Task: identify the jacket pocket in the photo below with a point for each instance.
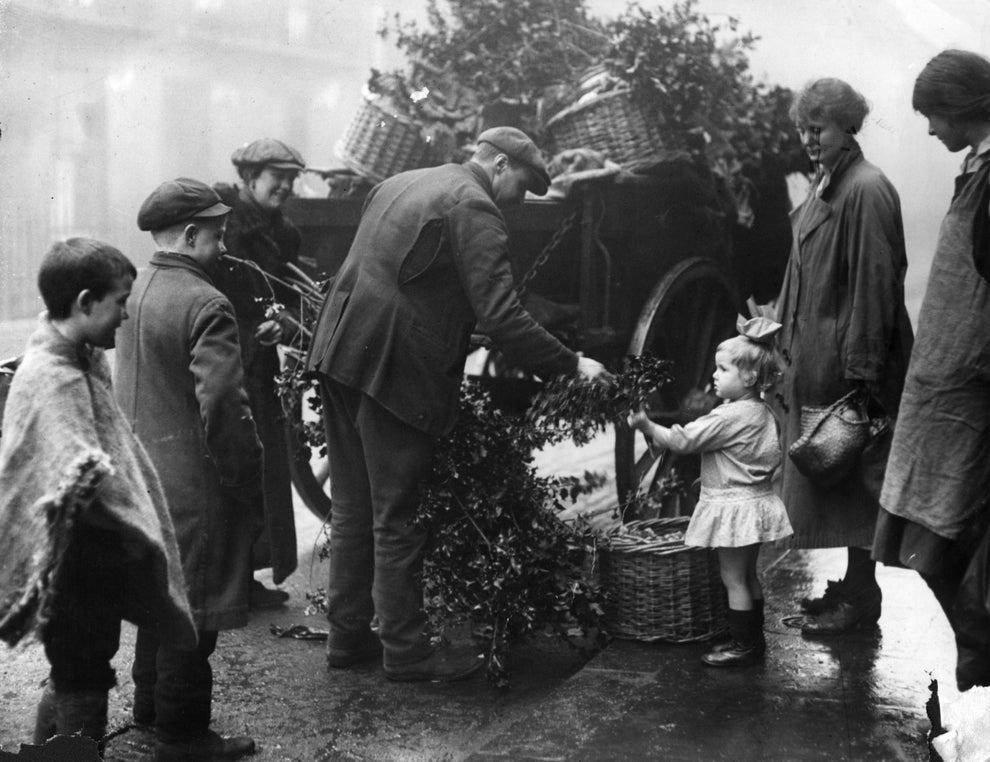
(424, 252)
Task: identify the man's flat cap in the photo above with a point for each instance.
(178, 200)
(268, 152)
(517, 145)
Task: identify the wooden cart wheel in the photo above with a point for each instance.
(688, 313)
(310, 471)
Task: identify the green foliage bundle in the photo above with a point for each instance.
(692, 75)
(474, 54)
(571, 409)
(499, 555)
(522, 61)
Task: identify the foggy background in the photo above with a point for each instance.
(100, 101)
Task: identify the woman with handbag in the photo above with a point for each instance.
(935, 495)
(845, 328)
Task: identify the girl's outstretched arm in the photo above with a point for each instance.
(659, 434)
(710, 432)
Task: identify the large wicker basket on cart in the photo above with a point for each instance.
(657, 587)
(380, 143)
(612, 123)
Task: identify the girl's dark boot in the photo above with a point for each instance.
(745, 646)
(758, 608)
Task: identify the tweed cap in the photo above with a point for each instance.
(517, 145)
(178, 200)
(268, 152)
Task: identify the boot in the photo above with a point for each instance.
(44, 724)
(831, 598)
(205, 748)
(444, 665)
(858, 608)
(82, 712)
(261, 597)
(745, 646)
(347, 649)
(761, 638)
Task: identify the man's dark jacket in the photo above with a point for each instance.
(429, 262)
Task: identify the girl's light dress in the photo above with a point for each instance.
(740, 450)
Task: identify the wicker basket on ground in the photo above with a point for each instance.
(379, 143)
(609, 122)
(657, 587)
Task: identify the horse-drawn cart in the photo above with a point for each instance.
(628, 264)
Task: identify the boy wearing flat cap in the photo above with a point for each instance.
(429, 263)
(179, 381)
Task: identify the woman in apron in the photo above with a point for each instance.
(935, 495)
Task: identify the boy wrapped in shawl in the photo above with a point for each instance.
(78, 493)
(62, 422)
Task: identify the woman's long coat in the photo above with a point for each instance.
(179, 381)
(270, 241)
(844, 321)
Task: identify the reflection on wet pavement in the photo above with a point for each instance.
(859, 696)
(855, 697)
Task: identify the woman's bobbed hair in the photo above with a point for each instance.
(954, 84)
(830, 100)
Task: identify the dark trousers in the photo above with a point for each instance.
(377, 464)
(173, 688)
(83, 631)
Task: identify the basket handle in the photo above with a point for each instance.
(830, 410)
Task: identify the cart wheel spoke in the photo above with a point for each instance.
(644, 463)
(689, 311)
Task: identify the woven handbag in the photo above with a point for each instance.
(832, 439)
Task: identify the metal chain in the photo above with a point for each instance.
(565, 226)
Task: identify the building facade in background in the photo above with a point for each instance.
(100, 101)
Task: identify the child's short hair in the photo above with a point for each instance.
(753, 357)
(72, 266)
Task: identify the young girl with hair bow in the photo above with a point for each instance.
(738, 509)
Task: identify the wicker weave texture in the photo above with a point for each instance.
(832, 440)
(610, 123)
(379, 144)
(674, 594)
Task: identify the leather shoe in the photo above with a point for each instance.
(345, 651)
(734, 655)
(759, 647)
(446, 664)
(210, 746)
(261, 597)
(846, 615)
(833, 594)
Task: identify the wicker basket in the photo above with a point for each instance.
(611, 123)
(659, 589)
(379, 144)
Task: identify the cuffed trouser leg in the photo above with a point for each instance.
(377, 466)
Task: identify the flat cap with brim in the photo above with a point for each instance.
(178, 200)
(268, 152)
(517, 145)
